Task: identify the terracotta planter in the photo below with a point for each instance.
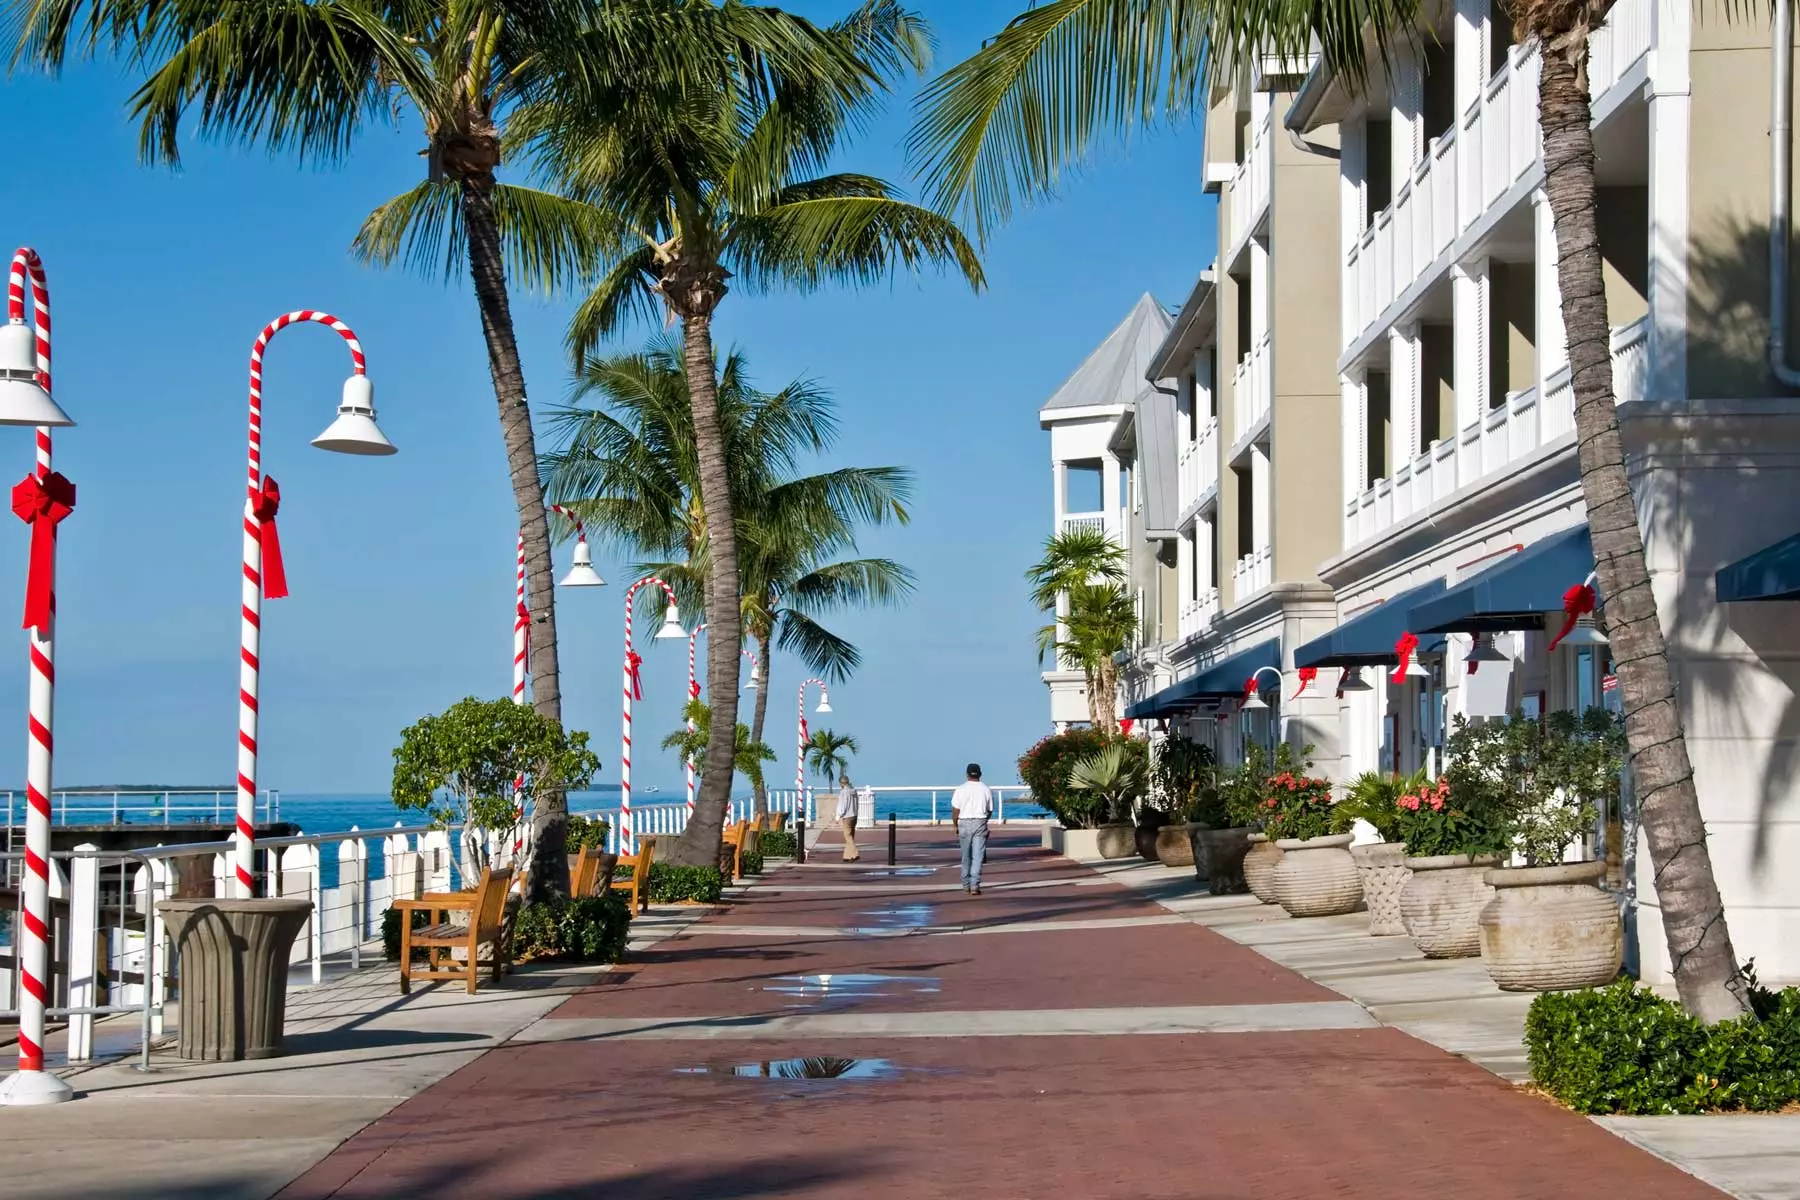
(1259, 867)
(1317, 877)
(1383, 870)
(1219, 858)
(1116, 841)
(1441, 902)
(1173, 847)
(1551, 928)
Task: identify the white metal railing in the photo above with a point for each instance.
(1250, 182)
(1251, 389)
(1500, 437)
(1072, 522)
(1197, 615)
(920, 805)
(145, 806)
(1199, 466)
(1252, 574)
(1493, 144)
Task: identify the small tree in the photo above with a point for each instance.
(748, 756)
(479, 764)
(829, 753)
(1116, 777)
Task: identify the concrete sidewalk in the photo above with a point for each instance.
(1454, 1005)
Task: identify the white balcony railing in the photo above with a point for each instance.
(1252, 386)
(1199, 466)
(1198, 615)
(1490, 444)
(1463, 174)
(1072, 522)
(1250, 183)
(1251, 574)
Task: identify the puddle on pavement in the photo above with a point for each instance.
(801, 1068)
(834, 990)
(901, 916)
(910, 872)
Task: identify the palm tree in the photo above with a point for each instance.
(1077, 579)
(748, 755)
(631, 470)
(829, 753)
(1000, 128)
(727, 183)
(1117, 778)
(1073, 557)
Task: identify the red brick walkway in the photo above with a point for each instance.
(1348, 1113)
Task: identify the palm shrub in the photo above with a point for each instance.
(1116, 776)
(1045, 770)
(1079, 580)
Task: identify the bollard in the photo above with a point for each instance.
(893, 836)
(800, 837)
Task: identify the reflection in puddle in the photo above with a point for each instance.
(901, 916)
(801, 1068)
(909, 871)
(830, 990)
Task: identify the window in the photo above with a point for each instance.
(1083, 484)
(1127, 487)
(1246, 511)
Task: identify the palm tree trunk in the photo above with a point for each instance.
(699, 845)
(1106, 704)
(1705, 966)
(1093, 696)
(756, 722)
(550, 815)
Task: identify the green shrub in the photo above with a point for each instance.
(1045, 769)
(778, 843)
(390, 933)
(591, 929)
(1623, 1049)
(670, 884)
(587, 833)
(753, 862)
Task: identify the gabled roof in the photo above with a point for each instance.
(1113, 374)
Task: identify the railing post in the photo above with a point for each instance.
(83, 948)
(317, 894)
(155, 961)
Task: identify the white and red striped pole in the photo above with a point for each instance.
(521, 663)
(633, 689)
(51, 497)
(693, 693)
(262, 500)
(800, 742)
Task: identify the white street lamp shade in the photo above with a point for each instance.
(755, 680)
(582, 573)
(355, 431)
(1254, 700)
(1417, 670)
(824, 705)
(23, 400)
(1484, 650)
(1354, 681)
(671, 626)
(1585, 633)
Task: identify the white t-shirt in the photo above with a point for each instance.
(971, 800)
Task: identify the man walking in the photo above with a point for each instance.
(972, 802)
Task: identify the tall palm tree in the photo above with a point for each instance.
(1000, 128)
(308, 76)
(829, 753)
(1075, 566)
(1100, 622)
(631, 470)
(724, 183)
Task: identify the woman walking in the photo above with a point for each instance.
(846, 811)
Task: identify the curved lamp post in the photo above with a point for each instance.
(824, 706)
(353, 432)
(634, 690)
(41, 499)
(693, 693)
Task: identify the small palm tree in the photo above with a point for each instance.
(748, 754)
(1001, 127)
(1071, 558)
(1100, 622)
(829, 753)
(1116, 778)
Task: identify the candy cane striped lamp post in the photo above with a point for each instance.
(824, 706)
(634, 690)
(41, 499)
(353, 432)
(693, 693)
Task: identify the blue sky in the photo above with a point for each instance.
(401, 568)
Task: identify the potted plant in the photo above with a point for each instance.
(1116, 777)
(1372, 798)
(1316, 876)
(1549, 926)
(1453, 832)
(1181, 776)
(1247, 793)
(1045, 769)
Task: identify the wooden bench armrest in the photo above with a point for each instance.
(439, 902)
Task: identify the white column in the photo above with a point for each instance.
(1203, 389)
(1059, 493)
(1259, 496)
(1353, 413)
(1203, 555)
(1469, 301)
(1668, 234)
(1109, 495)
(1403, 394)
(1259, 290)
(1184, 571)
(1552, 341)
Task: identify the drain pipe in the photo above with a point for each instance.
(1781, 75)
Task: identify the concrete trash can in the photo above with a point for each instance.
(233, 963)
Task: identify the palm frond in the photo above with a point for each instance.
(806, 243)
(623, 294)
(824, 652)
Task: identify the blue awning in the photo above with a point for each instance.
(1515, 592)
(1158, 704)
(1368, 638)
(1772, 573)
(1222, 679)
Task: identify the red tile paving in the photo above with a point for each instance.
(1360, 1114)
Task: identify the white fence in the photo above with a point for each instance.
(1198, 614)
(1250, 183)
(1253, 573)
(1252, 390)
(1199, 466)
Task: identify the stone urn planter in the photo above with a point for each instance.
(1383, 870)
(1441, 901)
(233, 964)
(1145, 833)
(1317, 877)
(1551, 928)
(1116, 841)
(1259, 867)
(1219, 858)
(1174, 847)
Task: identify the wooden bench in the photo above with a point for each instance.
(636, 879)
(733, 841)
(592, 874)
(486, 906)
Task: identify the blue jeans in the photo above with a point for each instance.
(972, 835)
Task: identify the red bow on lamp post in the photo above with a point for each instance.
(634, 660)
(693, 689)
(1578, 602)
(1125, 724)
(1306, 676)
(42, 504)
(1403, 649)
(522, 617)
(265, 504)
(1249, 691)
